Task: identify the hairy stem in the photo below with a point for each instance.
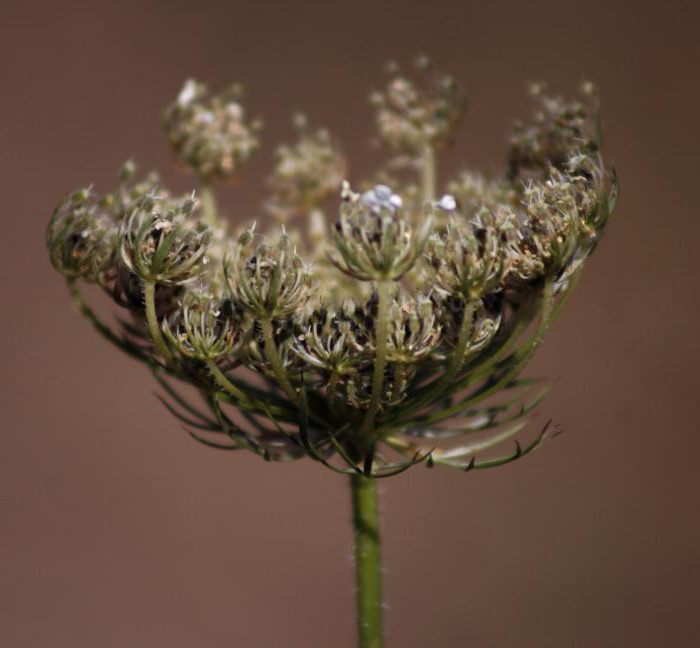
(365, 518)
(149, 297)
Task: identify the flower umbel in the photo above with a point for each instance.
(378, 342)
(395, 338)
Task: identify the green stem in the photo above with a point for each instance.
(149, 297)
(226, 384)
(241, 399)
(273, 358)
(428, 174)
(365, 518)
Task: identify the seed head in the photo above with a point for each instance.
(306, 173)
(210, 133)
(161, 241)
(330, 339)
(465, 258)
(552, 219)
(269, 279)
(414, 328)
(413, 114)
(131, 190)
(559, 127)
(373, 240)
(204, 328)
(81, 238)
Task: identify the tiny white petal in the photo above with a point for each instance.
(447, 203)
(396, 201)
(188, 92)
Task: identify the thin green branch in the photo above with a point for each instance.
(149, 298)
(273, 357)
(223, 382)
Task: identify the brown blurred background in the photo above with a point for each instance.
(118, 530)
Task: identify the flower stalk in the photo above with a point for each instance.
(368, 571)
(226, 384)
(149, 298)
(275, 361)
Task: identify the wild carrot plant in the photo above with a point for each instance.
(370, 330)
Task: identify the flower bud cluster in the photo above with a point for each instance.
(414, 114)
(306, 173)
(204, 328)
(80, 238)
(485, 315)
(414, 329)
(373, 238)
(466, 259)
(329, 339)
(560, 127)
(161, 242)
(269, 279)
(210, 133)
